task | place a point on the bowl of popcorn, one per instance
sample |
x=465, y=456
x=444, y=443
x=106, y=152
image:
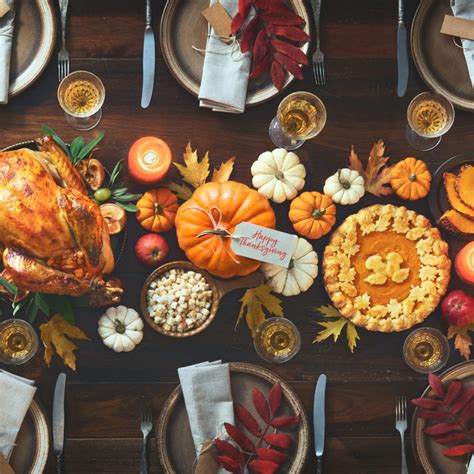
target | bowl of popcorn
x=180, y=300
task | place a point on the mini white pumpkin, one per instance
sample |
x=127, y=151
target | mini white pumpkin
x=121, y=329
x=345, y=187
x=299, y=276
x=278, y=174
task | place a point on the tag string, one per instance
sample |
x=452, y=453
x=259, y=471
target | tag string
x=234, y=44
x=217, y=231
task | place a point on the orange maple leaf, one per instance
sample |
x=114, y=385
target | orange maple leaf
x=462, y=339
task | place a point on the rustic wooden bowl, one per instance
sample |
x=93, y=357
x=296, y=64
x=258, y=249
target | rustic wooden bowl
x=218, y=287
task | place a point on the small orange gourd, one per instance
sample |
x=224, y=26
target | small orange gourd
x=312, y=214
x=410, y=179
x=157, y=210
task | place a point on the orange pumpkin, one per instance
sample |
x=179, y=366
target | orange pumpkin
x=206, y=221
x=312, y=214
x=410, y=179
x=157, y=210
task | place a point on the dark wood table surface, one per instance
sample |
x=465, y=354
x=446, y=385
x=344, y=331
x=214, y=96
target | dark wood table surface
x=104, y=396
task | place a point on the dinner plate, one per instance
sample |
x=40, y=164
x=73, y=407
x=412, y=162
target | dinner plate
x=32, y=444
x=437, y=199
x=428, y=453
x=175, y=443
x=439, y=61
x=183, y=26
x=33, y=43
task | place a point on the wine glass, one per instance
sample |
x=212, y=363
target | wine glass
x=430, y=116
x=300, y=117
x=81, y=95
x=18, y=342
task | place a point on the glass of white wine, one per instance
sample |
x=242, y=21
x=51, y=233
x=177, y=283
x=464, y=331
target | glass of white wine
x=18, y=342
x=300, y=117
x=81, y=95
x=430, y=116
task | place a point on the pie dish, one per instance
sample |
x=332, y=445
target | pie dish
x=386, y=268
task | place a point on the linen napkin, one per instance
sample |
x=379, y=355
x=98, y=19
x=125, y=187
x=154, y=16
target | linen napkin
x=16, y=394
x=465, y=9
x=225, y=72
x=6, y=39
x=208, y=399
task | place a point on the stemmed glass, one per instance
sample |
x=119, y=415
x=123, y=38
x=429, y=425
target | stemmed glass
x=300, y=117
x=429, y=116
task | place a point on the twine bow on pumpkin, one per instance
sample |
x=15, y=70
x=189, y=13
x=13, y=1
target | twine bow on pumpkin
x=218, y=230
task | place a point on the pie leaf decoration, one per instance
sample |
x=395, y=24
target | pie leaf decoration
x=462, y=339
x=254, y=303
x=183, y=191
x=53, y=334
x=335, y=325
x=194, y=172
x=222, y=174
x=448, y=412
x=376, y=174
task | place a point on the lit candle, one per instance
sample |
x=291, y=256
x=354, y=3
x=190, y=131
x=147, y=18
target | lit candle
x=464, y=263
x=149, y=159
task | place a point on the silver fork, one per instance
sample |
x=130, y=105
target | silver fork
x=146, y=426
x=318, y=56
x=63, y=55
x=401, y=426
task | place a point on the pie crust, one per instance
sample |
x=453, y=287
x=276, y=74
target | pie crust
x=386, y=268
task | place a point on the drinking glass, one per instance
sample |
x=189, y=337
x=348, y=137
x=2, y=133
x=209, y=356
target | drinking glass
x=426, y=350
x=18, y=342
x=277, y=340
x=300, y=117
x=81, y=95
x=429, y=116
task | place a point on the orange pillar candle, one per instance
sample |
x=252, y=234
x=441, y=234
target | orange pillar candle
x=149, y=159
x=464, y=263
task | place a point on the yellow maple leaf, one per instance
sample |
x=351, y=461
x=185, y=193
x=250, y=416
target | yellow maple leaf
x=53, y=334
x=254, y=302
x=222, y=174
x=181, y=190
x=334, y=326
x=462, y=339
x=194, y=172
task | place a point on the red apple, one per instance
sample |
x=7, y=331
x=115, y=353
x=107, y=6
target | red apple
x=151, y=249
x=458, y=308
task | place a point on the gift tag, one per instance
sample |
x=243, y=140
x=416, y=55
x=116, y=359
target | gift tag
x=4, y=8
x=260, y=243
x=5, y=468
x=460, y=27
x=219, y=19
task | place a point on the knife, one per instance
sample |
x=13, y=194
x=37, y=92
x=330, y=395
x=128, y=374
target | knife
x=58, y=419
x=402, y=52
x=148, y=59
x=319, y=420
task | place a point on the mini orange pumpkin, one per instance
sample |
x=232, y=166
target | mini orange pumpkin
x=410, y=179
x=312, y=214
x=206, y=221
x=157, y=210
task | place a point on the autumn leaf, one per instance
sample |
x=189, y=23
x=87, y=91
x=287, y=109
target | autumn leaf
x=462, y=339
x=53, y=334
x=254, y=303
x=335, y=325
x=194, y=172
x=377, y=174
x=222, y=174
x=183, y=191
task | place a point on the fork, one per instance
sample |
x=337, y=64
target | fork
x=145, y=426
x=401, y=426
x=63, y=55
x=318, y=56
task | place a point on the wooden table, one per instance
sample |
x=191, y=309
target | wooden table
x=104, y=396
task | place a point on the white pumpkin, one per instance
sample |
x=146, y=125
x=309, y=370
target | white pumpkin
x=345, y=187
x=299, y=276
x=121, y=329
x=278, y=174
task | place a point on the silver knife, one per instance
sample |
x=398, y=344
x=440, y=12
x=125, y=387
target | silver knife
x=402, y=52
x=148, y=59
x=319, y=420
x=58, y=419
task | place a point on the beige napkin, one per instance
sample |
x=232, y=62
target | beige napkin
x=225, y=72
x=6, y=39
x=465, y=9
x=208, y=399
x=16, y=394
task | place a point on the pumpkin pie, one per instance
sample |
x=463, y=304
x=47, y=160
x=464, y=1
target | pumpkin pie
x=386, y=268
